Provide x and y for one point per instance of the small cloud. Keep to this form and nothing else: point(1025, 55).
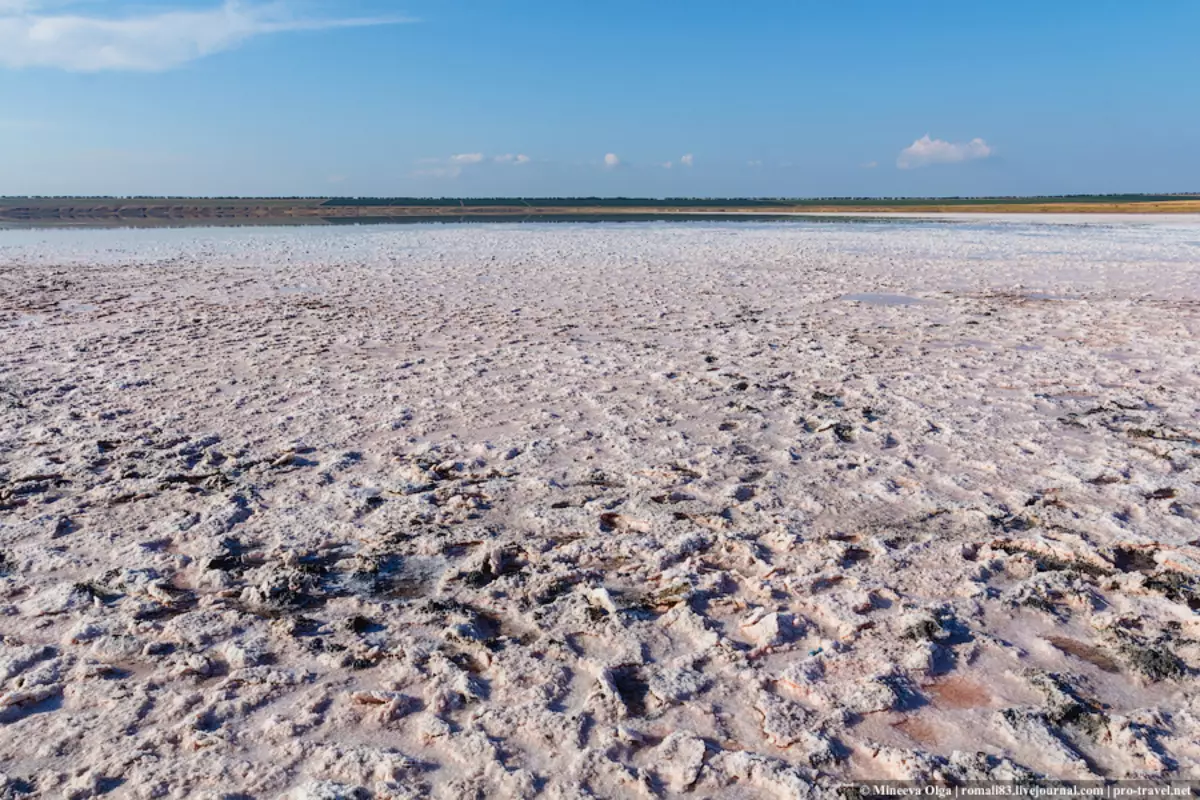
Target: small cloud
point(452, 166)
point(337, 178)
point(667, 165)
point(612, 161)
point(926, 151)
point(754, 163)
point(869, 165)
point(687, 160)
point(33, 36)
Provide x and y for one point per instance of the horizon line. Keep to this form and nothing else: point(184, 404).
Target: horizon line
point(525, 198)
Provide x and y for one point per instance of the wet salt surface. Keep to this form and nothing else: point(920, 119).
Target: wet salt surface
point(650, 513)
point(77, 308)
point(1049, 296)
point(881, 299)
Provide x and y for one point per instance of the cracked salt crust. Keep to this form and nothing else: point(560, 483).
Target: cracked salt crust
point(637, 510)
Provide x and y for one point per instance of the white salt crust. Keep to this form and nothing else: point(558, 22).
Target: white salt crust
point(706, 510)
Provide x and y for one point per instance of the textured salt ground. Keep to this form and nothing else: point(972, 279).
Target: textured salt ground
point(604, 511)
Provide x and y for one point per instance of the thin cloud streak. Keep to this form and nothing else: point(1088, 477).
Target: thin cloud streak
point(453, 166)
point(147, 42)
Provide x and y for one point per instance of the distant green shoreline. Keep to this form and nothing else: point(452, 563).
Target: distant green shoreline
point(606, 202)
point(743, 202)
point(119, 209)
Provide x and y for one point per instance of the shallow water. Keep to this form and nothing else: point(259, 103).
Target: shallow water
point(77, 308)
point(1050, 296)
point(1040, 257)
point(879, 299)
point(139, 223)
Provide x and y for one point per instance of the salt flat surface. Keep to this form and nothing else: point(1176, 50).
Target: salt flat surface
point(599, 510)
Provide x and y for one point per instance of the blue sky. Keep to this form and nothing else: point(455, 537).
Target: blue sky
point(515, 97)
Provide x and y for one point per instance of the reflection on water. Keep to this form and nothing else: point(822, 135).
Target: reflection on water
point(594, 218)
point(464, 219)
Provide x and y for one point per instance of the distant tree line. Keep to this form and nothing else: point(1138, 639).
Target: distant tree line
point(633, 202)
point(145, 197)
point(726, 202)
point(553, 202)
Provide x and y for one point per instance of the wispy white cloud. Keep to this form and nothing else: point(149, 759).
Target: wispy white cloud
point(35, 34)
point(687, 160)
point(926, 151)
point(611, 160)
point(453, 166)
point(754, 163)
point(869, 164)
point(667, 165)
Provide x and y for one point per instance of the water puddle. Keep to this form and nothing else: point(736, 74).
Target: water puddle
point(1049, 296)
point(880, 299)
point(978, 344)
point(28, 320)
point(72, 307)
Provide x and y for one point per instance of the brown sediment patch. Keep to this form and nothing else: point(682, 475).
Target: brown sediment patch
point(957, 692)
point(611, 521)
point(1084, 651)
point(920, 730)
